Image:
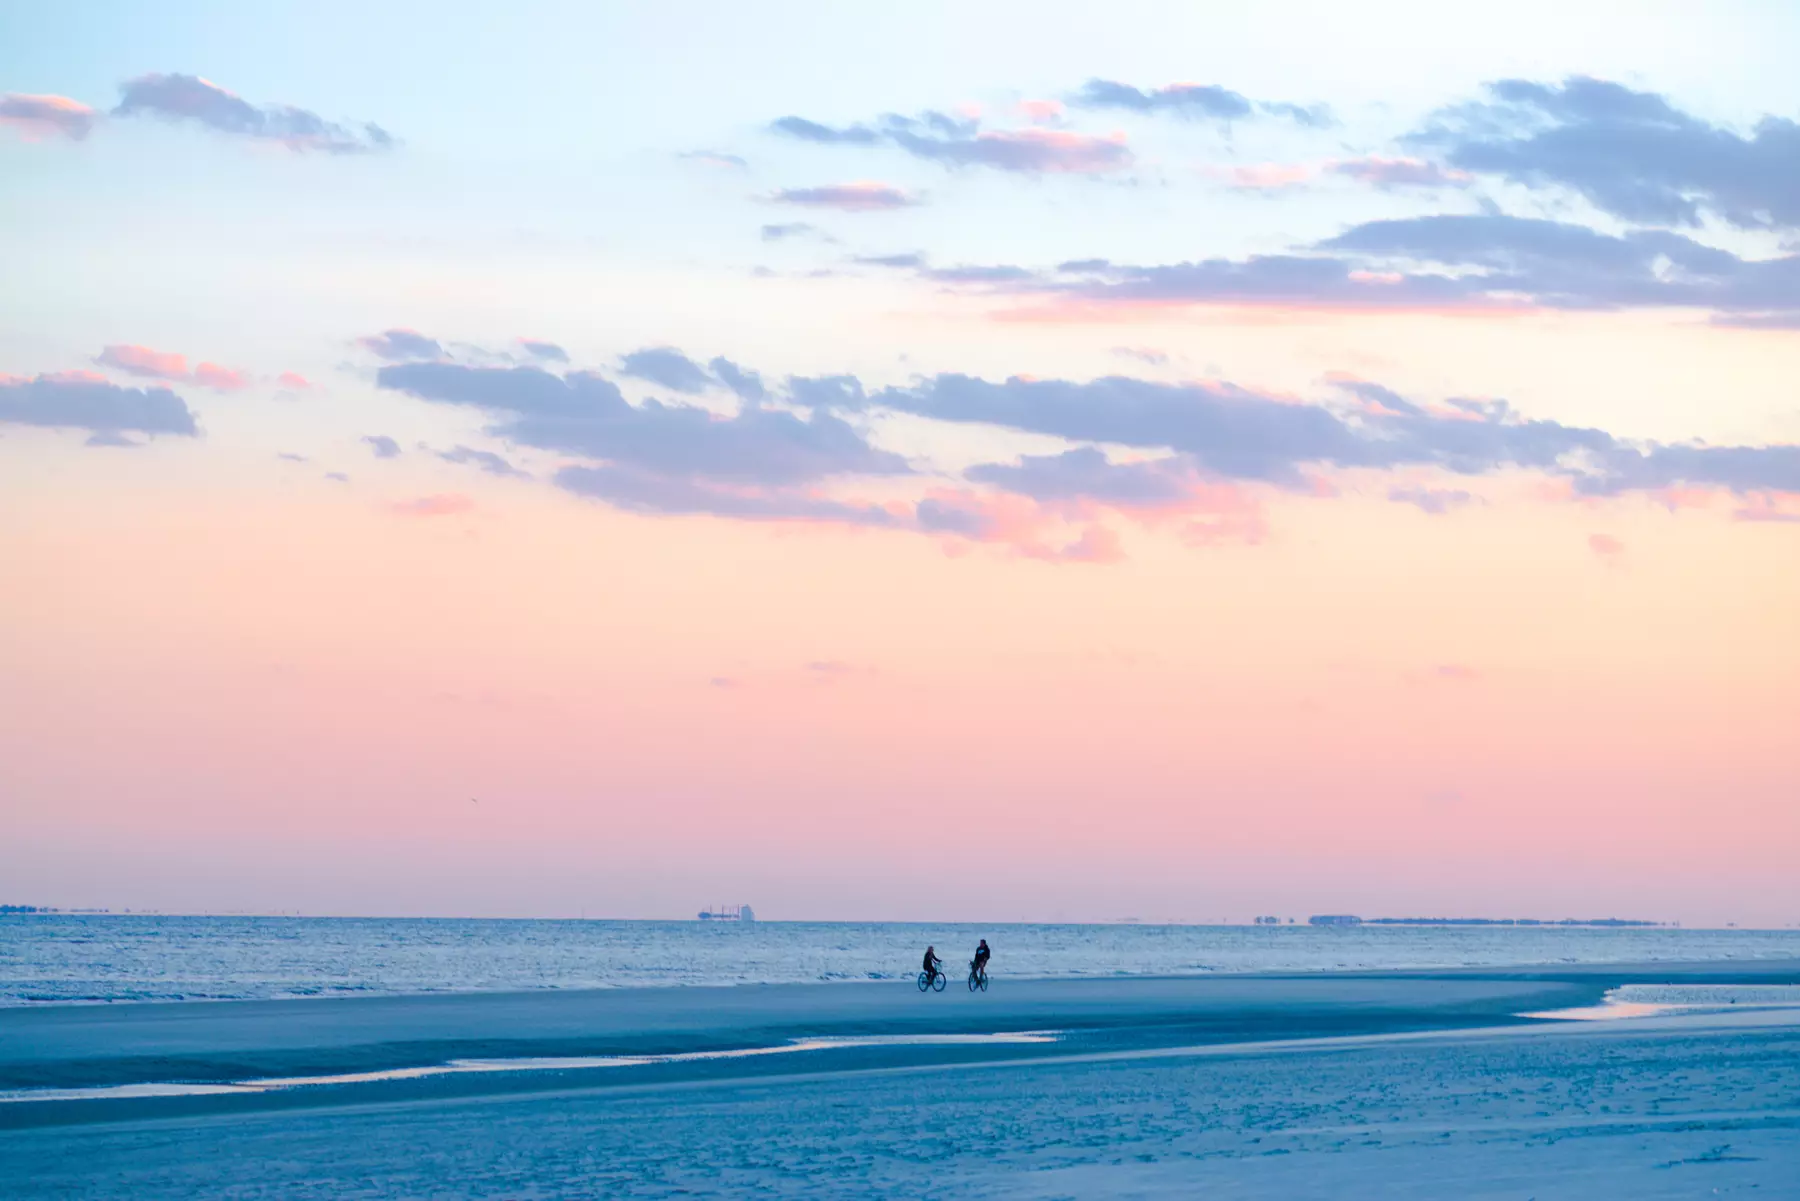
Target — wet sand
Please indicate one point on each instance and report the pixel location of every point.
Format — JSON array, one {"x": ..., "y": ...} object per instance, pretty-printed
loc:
[{"x": 1371, "y": 1084}]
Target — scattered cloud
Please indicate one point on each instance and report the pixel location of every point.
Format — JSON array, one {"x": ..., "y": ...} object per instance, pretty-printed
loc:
[
  {"x": 1029, "y": 530},
  {"x": 746, "y": 384},
  {"x": 46, "y": 116},
  {"x": 1606, "y": 548},
  {"x": 1147, "y": 355},
  {"x": 294, "y": 380},
  {"x": 812, "y": 131},
  {"x": 544, "y": 352},
  {"x": 487, "y": 460},
  {"x": 585, "y": 415},
  {"x": 1435, "y": 501},
  {"x": 1198, "y": 458},
  {"x": 82, "y": 400},
  {"x": 176, "y": 97},
  {"x": 1486, "y": 262},
  {"x": 782, "y": 231},
  {"x": 955, "y": 141},
  {"x": 1269, "y": 177},
  {"x": 1194, "y": 102},
  {"x": 640, "y": 491},
  {"x": 220, "y": 379},
  {"x": 401, "y": 345},
  {"x": 337, "y": 477},
  {"x": 1631, "y": 154},
  {"x": 1398, "y": 172},
  {"x": 1766, "y": 506},
  {"x": 666, "y": 366},
  {"x": 444, "y": 504},
  {"x": 142, "y": 361},
  {"x": 864, "y": 196},
  {"x": 1456, "y": 671},
  {"x": 716, "y": 158},
  {"x": 1233, "y": 433},
  {"x": 146, "y": 363},
  {"x": 383, "y": 446},
  {"x": 111, "y": 438}
]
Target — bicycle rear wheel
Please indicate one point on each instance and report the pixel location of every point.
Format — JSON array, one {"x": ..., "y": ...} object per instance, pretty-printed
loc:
[{"x": 924, "y": 981}]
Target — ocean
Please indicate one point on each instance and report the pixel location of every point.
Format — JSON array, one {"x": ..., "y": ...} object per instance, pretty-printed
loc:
[{"x": 75, "y": 958}]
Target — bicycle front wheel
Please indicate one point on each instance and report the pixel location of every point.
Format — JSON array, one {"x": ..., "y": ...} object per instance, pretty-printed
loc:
[{"x": 938, "y": 981}]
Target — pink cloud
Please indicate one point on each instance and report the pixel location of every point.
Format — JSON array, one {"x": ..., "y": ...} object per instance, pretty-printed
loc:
[
  {"x": 444, "y": 504},
  {"x": 220, "y": 379},
  {"x": 1606, "y": 547},
  {"x": 74, "y": 377},
  {"x": 1674, "y": 499},
  {"x": 1058, "y": 151},
  {"x": 146, "y": 363},
  {"x": 293, "y": 379},
  {"x": 1041, "y": 112},
  {"x": 1456, "y": 671},
  {"x": 859, "y": 196},
  {"x": 43, "y": 116},
  {"x": 1012, "y": 521},
  {"x": 1766, "y": 506},
  {"x": 1097, "y": 544},
  {"x": 1269, "y": 177},
  {"x": 1397, "y": 172},
  {"x": 1249, "y": 310}
]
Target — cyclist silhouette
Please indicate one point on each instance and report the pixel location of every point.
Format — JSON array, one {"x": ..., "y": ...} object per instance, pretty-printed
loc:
[
  {"x": 932, "y": 962},
  {"x": 982, "y": 955}
]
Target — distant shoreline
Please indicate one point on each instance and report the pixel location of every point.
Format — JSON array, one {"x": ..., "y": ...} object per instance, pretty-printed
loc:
[{"x": 1258, "y": 922}]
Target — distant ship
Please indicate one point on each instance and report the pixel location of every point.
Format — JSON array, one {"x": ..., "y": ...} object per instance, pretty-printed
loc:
[{"x": 737, "y": 913}]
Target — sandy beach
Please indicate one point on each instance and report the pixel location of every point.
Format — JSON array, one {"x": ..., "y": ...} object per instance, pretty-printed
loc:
[{"x": 1412, "y": 1084}]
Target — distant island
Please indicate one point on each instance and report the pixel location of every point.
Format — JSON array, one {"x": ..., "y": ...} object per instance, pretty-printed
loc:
[
  {"x": 26, "y": 909},
  {"x": 1345, "y": 919}
]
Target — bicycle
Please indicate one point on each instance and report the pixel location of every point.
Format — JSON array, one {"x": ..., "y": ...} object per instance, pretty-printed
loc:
[
  {"x": 934, "y": 979},
  {"x": 977, "y": 978}
]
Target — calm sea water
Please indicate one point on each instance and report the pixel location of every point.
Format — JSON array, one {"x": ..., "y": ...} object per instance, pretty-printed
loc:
[{"x": 76, "y": 958}]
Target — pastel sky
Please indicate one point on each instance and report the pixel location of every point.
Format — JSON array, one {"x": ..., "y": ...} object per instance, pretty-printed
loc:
[{"x": 944, "y": 461}]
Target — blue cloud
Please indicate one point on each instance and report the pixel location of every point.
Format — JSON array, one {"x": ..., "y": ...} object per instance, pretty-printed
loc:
[
  {"x": 80, "y": 401},
  {"x": 1448, "y": 261},
  {"x": 585, "y": 415},
  {"x": 546, "y": 352},
  {"x": 1193, "y": 101},
  {"x": 1629, "y": 153},
  {"x": 178, "y": 97},
  {"x": 487, "y": 460},
  {"x": 668, "y": 367},
  {"x": 962, "y": 142},
  {"x": 397, "y": 345}
]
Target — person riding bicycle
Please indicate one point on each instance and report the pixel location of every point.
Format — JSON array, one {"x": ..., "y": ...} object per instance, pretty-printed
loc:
[
  {"x": 982, "y": 954},
  {"x": 932, "y": 963}
]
